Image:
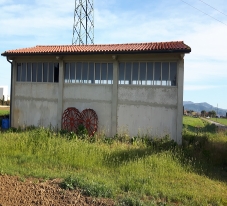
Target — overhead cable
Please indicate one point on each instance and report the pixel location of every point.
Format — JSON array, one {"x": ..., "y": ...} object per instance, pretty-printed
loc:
[
  {"x": 213, "y": 7},
  {"x": 204, "y": 12}
]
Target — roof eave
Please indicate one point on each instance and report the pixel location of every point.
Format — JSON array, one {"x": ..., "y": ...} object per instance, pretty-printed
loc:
[{"x": 98, "y": 53}]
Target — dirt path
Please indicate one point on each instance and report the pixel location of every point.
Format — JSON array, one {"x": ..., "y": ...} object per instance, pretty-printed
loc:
[
  {"x": 6, "y": 108},
  {"x": 221, "y": 126},
  {"x": 15, "y": 191}
]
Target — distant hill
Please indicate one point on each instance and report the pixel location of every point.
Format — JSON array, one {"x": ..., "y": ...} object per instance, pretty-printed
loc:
[
  {"x": 188, "y": 102},
  {"x": 198, "y": 107}
]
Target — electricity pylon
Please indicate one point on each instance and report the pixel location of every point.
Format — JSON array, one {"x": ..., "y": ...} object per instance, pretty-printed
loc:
[{"x": 83, "y": 28}]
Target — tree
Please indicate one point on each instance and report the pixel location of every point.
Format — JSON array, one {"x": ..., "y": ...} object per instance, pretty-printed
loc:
[
  {"x": 190, "y": 112},
  {"x": 212, "y": 113},
  {"x": 203, "y": 113}
]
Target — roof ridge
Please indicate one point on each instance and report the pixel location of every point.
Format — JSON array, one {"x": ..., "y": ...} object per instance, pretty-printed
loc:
[{"x": 119, "y": 44}]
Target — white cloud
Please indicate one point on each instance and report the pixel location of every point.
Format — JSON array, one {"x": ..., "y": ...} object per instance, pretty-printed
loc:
[
  {"x": 208, "y": 41},
  {"x": 207, "y": 61},
  {"x": 51, "y": 22},
  {"x": 204, "y": 70},
  {"x": 5, "y": 1}
]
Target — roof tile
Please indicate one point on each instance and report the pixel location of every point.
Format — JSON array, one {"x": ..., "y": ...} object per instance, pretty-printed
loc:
[{"x": 174, "y": 46}]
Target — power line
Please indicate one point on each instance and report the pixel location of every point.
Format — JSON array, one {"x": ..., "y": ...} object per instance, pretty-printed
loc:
[
  {"x": 204, "y": 13},
  {"x": 213, "y": 7}
]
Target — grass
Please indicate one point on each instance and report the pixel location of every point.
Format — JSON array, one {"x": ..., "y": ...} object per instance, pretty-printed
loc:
[
  {"x": 220, "y": 120},
  {"x": 4, "y": 111},
  {"x": 133, "y": 171},
  {"x": 193, "y": 121},
  {"x": 197, "y": 126},
  {"x": 207, "y": 144}
]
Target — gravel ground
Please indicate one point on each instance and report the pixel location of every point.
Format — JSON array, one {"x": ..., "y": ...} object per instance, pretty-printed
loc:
[{"x": 16, "y": 191}]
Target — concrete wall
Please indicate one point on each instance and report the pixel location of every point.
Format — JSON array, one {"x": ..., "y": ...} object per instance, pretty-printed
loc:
[
  {"x": 35, "y": 104},
  {"x": 96, "y": 97},
  {"x": 153, "y": 110},
  {"x": 147, "y": 110}
]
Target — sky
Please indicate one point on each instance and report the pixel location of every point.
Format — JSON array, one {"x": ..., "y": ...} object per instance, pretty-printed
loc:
[{"x": 27, "y": 23}]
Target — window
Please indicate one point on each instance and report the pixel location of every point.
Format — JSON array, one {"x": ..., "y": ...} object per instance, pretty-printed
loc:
[
  {"x": 19, "y": 71},
  {"x": 56, "y": 72},
  {"x": 51, "y": 72},
  {"x": 110, "y": 73},
  {"x": 45, "y": 72},
  {"x": 165, "y": 74},
  {"x": 103, "y": 71},
  {"x": 29, "y": 72},
  {"x": 128, "y": 73},
  {"x": 33, "y": 72},
  {"x": 78, "y": 72},
  {"x": 97, "y": 73},
  {"x": 38, "y": 72},
  {"x": 85, "y": 73},
  {"x": 135, "y": 73},
  {"x": 23, "y": 72},
  {"x": 173, "y": 74},
  {"x": 71, "y": 72},
  {"x": 121, "y": 78},
  {"x": 142, "y": 72},
  {"x": 157, "y": 73},
  {"x": 148, "y": 73},
  {"x": 89, "y": 73}
]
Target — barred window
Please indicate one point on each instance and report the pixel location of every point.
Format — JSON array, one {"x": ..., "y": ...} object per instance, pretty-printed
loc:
[
  {"x": 148, "y": 73},
  {"x": 89, "y": 73},
  {"x": 37, "y": 72}
]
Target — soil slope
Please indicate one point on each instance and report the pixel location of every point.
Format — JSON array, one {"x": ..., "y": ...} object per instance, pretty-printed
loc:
[{"x": 16, "y": 191}]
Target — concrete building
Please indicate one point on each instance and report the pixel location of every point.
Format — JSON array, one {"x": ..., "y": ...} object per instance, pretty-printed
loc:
[
  {"x": 133, "y": 88},
  {"x": 4, "y": 92}
]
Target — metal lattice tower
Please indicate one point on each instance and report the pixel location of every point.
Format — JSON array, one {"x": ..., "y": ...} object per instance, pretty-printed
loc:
[{"x": 83, "y": 28}]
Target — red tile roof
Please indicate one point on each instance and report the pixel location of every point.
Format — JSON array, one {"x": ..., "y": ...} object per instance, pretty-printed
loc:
[{"x": 155, "y": 47}]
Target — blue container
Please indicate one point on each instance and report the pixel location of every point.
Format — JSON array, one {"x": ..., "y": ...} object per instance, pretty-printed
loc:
[{"x": 5, "y": 124}]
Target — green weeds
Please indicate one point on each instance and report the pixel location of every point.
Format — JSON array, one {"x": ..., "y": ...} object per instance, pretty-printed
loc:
[
  {"x": 133, "y": 171},
  {"x": 87, "y": 187},
  {"x": 4, "y": 112}
]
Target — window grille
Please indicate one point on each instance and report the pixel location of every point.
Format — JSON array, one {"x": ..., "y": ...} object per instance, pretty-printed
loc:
[
  {"x": 89, "y": 73},
  {"x": 148, "y": 73},
  {"x": 37, "y": 72}
]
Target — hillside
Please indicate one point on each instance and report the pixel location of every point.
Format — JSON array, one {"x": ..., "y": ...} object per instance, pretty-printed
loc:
[{"x": 198, "y": 107}]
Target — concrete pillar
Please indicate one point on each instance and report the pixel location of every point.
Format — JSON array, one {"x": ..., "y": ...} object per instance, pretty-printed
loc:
[
  {"x": 180, "y": 91},
  {"x": 114, "y": 98},
  {"x": 60, "y": 93},
  {"x": 12, "y": 96}
]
